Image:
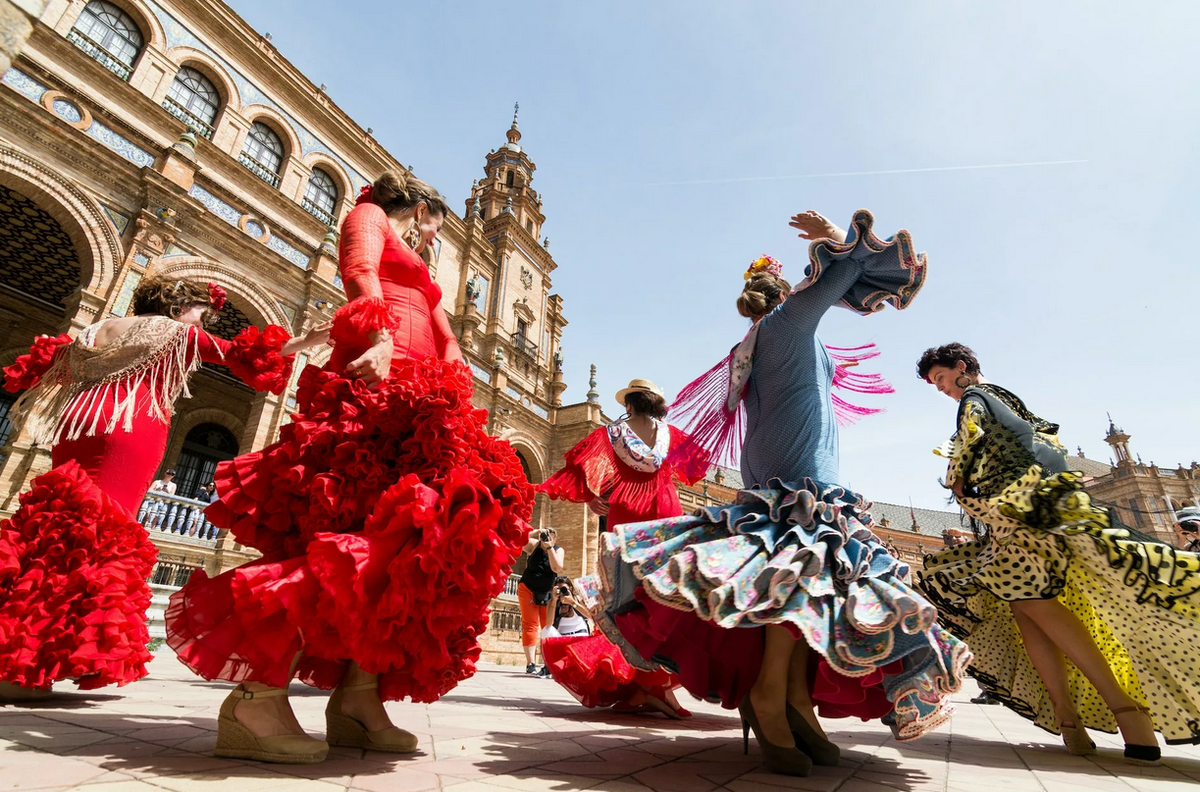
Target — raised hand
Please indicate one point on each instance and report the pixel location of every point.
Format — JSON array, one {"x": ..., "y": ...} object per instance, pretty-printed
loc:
[
  {"x": 812, "y": 225},
  {"x": 375, "y": 364}
]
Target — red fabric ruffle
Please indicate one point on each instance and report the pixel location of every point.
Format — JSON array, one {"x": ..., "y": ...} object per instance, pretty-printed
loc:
[
  {"x": 28, "y": 369},
  {"x": 73, "y": 569},
  {"x": 388, "y": 520},
  {"x": 593, "y": 670},
  {"x": 593, "y": 469},
  {"x": 255, "y": 358},
  {"x": 360, "y": 317}
]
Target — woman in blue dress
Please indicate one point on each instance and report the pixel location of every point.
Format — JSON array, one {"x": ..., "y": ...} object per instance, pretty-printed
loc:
[{"x": 795, "y": 553}]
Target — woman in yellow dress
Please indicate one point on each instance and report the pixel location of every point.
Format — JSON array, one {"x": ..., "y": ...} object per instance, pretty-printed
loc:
[{"x": 1072, "y": 621}]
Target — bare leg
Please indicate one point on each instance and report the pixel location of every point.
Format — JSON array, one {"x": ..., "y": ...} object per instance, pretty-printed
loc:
[
  {"x": 530, "y": 654},
  {"x": 1065, "y": 630},
  {"x": 268, "y": 717},
  {"x": 769, "y": 695},
  {"x": 1049, "y": 663},
  {"x": 797, "y": 686},
  {"x": 363, "y": 705}
]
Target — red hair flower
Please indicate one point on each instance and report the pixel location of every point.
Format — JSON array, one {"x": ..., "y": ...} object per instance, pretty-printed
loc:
[
  {"x": 216, "y": 296},
  {"x": 364, "y": 196}
]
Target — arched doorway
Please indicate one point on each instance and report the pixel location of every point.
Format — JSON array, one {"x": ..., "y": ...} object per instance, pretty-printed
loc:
[
  {"x": 204, "y": 446},
  {"x": 229, "y": 322},
  {"x": 39, "y": 264}
]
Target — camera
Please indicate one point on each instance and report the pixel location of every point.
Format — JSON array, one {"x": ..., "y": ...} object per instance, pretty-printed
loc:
[
  {"x": 544, "y": 536},
  {"x": 564, "y": 591}
]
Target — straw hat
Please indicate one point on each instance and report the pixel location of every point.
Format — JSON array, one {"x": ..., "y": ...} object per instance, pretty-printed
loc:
[{"x": 638, "y": 386}]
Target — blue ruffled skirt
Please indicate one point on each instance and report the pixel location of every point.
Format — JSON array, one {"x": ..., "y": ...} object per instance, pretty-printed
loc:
[{"x": 802, "y": 556}]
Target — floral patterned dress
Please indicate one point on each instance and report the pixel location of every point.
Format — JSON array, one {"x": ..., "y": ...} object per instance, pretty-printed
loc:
[{"x": 1045, "y": 539}]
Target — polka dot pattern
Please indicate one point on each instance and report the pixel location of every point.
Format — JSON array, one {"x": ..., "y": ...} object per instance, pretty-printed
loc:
[{"x": 1140, "y": 601}]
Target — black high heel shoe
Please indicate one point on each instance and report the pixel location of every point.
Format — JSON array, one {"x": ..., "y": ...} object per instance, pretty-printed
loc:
[
  {"x": 1140, "y": 754},
  {"x": 778, "y": 759},
  {"x": 823, "y": 752}
]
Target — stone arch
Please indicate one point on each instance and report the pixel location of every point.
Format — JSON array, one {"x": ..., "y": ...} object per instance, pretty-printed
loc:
[
  {"x": 281, "y": 125},
  {"x": 147, "y": 21},
  {"x": 96, "y": 241},
  {"x": 264, "y": 309},
  {"x": 526, "y": 448},
  {"x": 231, "y": 98}
]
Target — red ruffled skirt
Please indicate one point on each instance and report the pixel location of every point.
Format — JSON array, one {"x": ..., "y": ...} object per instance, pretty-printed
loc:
[
  {"x": 593, "y": 670},
  {"x": 720, "y": 665},
  {"x": 387, "y": 519},
  {"x": 73, "y": 572}
]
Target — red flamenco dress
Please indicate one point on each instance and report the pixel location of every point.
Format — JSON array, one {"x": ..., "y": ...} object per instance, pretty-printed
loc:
[
  {"x": 386, "y": 517},
  {"x": 638, "y": 482},
  {"x": 73, "y": 560}
]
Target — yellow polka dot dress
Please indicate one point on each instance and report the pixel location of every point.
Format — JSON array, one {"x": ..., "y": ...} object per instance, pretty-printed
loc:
[{"x": 1044, "y": 539}]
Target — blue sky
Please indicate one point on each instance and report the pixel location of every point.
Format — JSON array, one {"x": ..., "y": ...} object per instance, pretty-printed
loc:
[{"x": 668, "y": 136}]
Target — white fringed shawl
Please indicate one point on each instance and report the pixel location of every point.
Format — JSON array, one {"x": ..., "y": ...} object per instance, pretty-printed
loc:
[{"x": 68, "y": 402}]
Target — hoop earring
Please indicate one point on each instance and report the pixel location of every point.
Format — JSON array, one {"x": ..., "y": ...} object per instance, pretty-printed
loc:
[
  {"x": 963, "y": 381},
  {"x": 414, "y": 235}
]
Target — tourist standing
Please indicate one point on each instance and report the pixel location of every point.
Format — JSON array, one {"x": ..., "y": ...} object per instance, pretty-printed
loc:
[
  {"x": 1187, "y": 522},
  {"x": 754, "y": 591},
  {"x": 544, "y": 564},
  {"x": 1049, "y": 578},
  {"x": 386, "y": 516},
  {"x": 73, "y": 559}
]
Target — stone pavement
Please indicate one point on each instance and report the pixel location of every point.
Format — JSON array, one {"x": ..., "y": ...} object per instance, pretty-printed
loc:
[{"x": 503, "y": 730}]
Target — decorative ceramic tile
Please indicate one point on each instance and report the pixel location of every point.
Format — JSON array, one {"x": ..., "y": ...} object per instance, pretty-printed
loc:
[
  {"x": 540, "y": 411},
  {"x": 119, "y": 221},
  {"x": 254, "y": 229},
  {"x": 142, "y": 259},
  {"x": 337, "y": 281},
  {"x": 481, "y": 372},
  {"x": 179, "y": 35},
  {"x": 174, "y": 251},
  {"x": 67, "y": 111},
  {"x": 126, "y": 149},
  {"x": 215, "y": 205},
  {"x": 289, "y": 252},
  {"x": 516, "y": 394},
  {"x": 120, "y": 306},
  {"x": 24, "y": 84},
  {"x": 290, "y": 313}
]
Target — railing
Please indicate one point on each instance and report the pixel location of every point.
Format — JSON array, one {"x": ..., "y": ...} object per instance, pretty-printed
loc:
[
  {"x": 255, "y": 167},
  {"x": 522, "y": 344},
  {"x": 317, "y": 212},
  {"x": 186, "y": 116},
  {"x": 167, "y": 573},
  {"x": 100, "y": 55},
  {"x": 510, "y": 588},
  {"x": 175, "y": 515}
]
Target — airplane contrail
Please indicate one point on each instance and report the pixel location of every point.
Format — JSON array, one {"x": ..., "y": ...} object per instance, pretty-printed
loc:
[{"x": 867, "y": 173}]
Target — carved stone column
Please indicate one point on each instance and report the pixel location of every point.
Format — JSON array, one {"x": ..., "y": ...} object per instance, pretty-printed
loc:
[{"x": 16, "y": 23}]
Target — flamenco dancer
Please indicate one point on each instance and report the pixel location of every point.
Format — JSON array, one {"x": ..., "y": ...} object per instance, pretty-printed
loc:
[
  {"x": 386, "y": 517},
  {"x": 1051, "y": 579},
  {"x": 627, "y": 471},
  {"x": 73, "y": 560},
  {"x": 795, "y": 553}
]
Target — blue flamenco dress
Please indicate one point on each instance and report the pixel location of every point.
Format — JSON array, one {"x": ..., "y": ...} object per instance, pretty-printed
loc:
[{"x": 795, "y": 549}]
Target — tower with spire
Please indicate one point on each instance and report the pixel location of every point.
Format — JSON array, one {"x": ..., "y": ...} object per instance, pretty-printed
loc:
[
  {"x": 505, "y": 188},
  {"x": 1120, "y": 444}
]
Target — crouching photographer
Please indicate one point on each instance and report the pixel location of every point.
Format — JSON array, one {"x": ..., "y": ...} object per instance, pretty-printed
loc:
[{"x": 533, "y": 593}]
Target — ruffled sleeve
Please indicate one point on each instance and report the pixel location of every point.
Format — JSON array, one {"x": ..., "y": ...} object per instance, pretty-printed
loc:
[
  {"x": 590, "y": 470},
  {"x": 254, "y": 356},
  {"x": 686, "y": 458},
  {"x": 963, "y": 448},
  {"x": 28, "y": 370},
  {"x": 364, "y": 236}
]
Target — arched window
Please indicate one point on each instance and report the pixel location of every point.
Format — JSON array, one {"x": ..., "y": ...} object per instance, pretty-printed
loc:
[
  {"x": 204, "y": 446},
  {"x": 262, "y": 153},
  {"x": 508, "y": 180},
  {"x": 194, "y": 100},
  {"x": 109, "y": 36},
  {"x": 321, "y": 196}
]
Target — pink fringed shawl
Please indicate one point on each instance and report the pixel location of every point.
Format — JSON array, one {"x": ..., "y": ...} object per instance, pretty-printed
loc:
[{"x": 710, "y": 407}]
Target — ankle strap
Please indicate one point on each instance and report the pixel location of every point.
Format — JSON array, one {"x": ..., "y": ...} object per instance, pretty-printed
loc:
[
  {"x": 364, "y": 686},
  {"x": 241, "y": 692},
  {"x": 1134, "y": 708}
]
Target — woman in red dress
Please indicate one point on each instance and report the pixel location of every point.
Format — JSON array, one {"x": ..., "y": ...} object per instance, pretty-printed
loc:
[
  {"x": 73, "y": 560},
  {"x": 386, "y": 517},
  {"x": 626, "y": 471}
]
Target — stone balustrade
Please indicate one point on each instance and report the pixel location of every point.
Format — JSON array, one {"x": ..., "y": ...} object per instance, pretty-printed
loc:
[{"x": 173, "y": 514}]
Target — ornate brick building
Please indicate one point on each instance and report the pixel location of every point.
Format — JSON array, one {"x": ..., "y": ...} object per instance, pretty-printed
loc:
[{"x": 168, "y": 137}]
